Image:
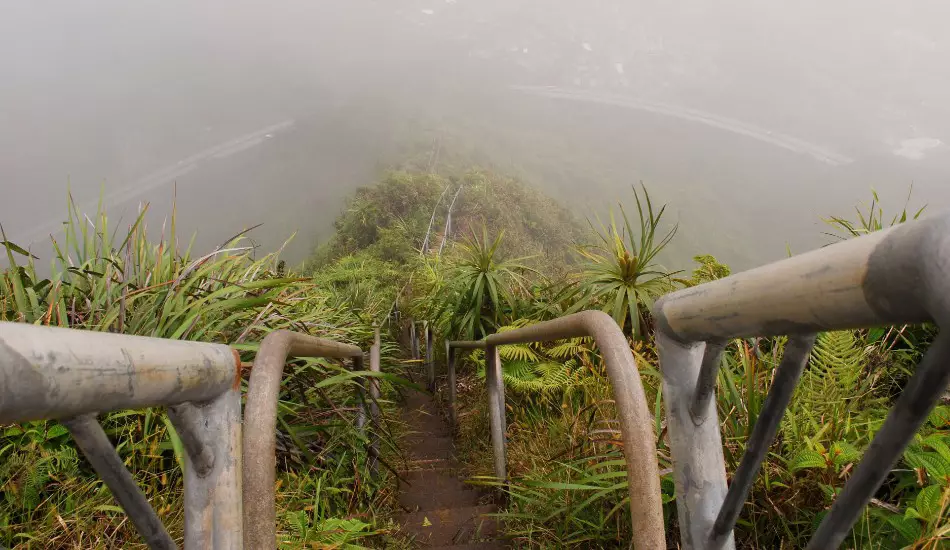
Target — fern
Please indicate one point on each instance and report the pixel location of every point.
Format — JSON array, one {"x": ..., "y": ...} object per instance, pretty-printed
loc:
[{"x": 834, "y": 396}]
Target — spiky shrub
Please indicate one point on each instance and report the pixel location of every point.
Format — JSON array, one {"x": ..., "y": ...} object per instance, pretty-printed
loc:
[
  {"x": 620, "y": 273},
  {"x": 139, "y": 285},
  {"x": 480, "y": 288}
]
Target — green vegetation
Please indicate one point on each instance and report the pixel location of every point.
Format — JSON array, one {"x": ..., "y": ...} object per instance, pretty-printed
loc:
[
  {"x": 133, "y": 284},
  {"x": 473, "y": 253}
]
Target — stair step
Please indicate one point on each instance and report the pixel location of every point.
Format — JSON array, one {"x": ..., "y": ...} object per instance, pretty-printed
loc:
[
  {"x": 437, "y": 500},
  {"x": 488, "y": 545},
  {"x": 430, "y": 464},
  {"x": 431, "y": 447},
  {"x": 448, "y": 526}
]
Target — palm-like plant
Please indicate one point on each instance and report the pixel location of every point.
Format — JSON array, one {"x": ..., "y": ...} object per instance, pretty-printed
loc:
[
  {"x": 620, "y": 274},
  {"x": 481, "y": 285}
]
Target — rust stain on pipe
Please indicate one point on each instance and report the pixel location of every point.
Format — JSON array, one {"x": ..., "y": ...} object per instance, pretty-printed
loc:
[
  {"x": 237, "y": 370},
  {"x": 260, "y": 425}
]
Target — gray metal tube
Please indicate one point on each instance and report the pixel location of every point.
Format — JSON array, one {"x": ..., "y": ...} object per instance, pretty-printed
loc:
[
  {"x": 374, "y": 395},
  {"x": 708, "y": 372},
  {"x": 50, "y": 372},
  {"x": 95, "y": 445},
  {"x": 467, "y": 344},
  {"x": 496, "y": 412},
  {"x": 187, "y": 419},
  {"x": 699, "y": 470},
  {"x": 361, "y": 413},
  {"x": 430, "y": 365},
  {"x": 213, "y": 505},
  {"x": 892, "y": 276},
  {"x": 450, "y": 367},
  {"x": 260, "y": 426},
  {"x": 787, "y": 375},
  {"x": 413, "y": 341},
  {"x": 928, "y": 383},
  {"x": 636, "y": 420},
  {"x": 819, "y": 290}
]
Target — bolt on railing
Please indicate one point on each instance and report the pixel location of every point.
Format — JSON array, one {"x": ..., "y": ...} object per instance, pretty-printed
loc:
[
  {"x": 896, "y": 276},
  {"x": 636, "y": 421},
  {"x": 72, "y": 375}
]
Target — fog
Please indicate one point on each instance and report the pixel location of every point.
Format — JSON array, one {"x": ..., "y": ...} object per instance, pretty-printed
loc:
[{"x": 752, "y": 119}]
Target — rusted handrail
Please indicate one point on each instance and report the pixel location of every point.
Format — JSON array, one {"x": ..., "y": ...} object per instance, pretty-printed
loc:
[
  {"x": 636, "y": 421},
  {"x": 895, "y": 276},
  {"x": 260, "y": 425},
  {"x": 71, "y": 375}
]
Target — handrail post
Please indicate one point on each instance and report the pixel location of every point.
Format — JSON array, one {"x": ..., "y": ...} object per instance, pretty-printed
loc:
[
  {"x": 213, "y": 502},
  {"x": 430, "y": 365},
  {"x": 374, "y": 394},
  {"x": 699, "y": 470},
  {"x": 413, "y": 340},
  {"x": 450, "y": 367},
  {"x": 496, "y": 411},
  {"x": 260, "y": 426}
]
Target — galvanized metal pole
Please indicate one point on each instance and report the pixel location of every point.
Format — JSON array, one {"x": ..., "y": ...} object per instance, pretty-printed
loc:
[
  {"x": 496, "y": 411},
  {"x": 213, "y": 501},
  {"x": 413, "y": 341},
  {"x": 786, "y": 377},
  {"x": 450, "y": 367},
  {"x": 51, "y": 372},
  {"x": 430, "y": 365},
  {"x": 260, "y": 426},
  {"x": 636, "y": 420},
  {"x": 95, "y": 445},
  {"x": 374, "y": 395},
  {"x": 699, "y": 470}
]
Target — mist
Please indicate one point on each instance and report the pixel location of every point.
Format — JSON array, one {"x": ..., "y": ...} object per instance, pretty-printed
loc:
[{"x": 751, "y": 119}]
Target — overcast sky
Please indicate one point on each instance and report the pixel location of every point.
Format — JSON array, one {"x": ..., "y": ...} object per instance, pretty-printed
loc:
[{"x": 739, "y": 114}]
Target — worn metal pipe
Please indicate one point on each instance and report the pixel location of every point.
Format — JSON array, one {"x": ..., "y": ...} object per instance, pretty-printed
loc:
[
  {"x": 496, "y": 412},
  {"x": 708, "y": 372},
  {"x": 872, "y": 280},
  {"x": 95, "y": 445},
  {"x": 927, "y": 385},
  {"x": 213, "y": 505},
  {"x": 786, "y": 378},
  {"x": 699, "y": 469},
  {"x": 413, "y": 341},
  {"x": 51, "y": 372},
  {"x": 430, "y": 364},
  {"x": 636, "y": 420},
  {"x": 895, "y": 276},
  {"x": 374, "y": 395},
  {"x": 188, "y": 421},
  {"x": 260, "y": 425}
]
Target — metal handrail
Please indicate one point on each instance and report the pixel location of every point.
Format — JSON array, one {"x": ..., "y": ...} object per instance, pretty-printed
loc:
[
  {"x": 636, "y": 421},
  {"x": 894, "y": 276},
  {"x": 72, "y": 375},
  {"x": 260, "y": 425}
]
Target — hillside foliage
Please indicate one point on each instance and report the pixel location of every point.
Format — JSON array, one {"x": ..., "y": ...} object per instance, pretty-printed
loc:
[{"x": 472, "y": 253}]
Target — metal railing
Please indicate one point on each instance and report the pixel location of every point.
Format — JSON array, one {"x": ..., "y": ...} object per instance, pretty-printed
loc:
[
  {"x": 72, "y": 375},
  {"x": 636, "y": 420},
  {"x": 896, "y": 276}
]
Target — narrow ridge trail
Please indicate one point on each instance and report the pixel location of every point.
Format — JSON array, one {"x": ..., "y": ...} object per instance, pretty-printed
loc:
[{"x": 440, "y": 510}]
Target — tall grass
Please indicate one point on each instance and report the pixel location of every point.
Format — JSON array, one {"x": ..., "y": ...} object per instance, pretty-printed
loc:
[{"x": 127, "y": 280}]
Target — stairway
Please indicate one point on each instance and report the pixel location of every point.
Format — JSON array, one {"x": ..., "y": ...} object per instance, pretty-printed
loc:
[{"x": 440, "y": 510}]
